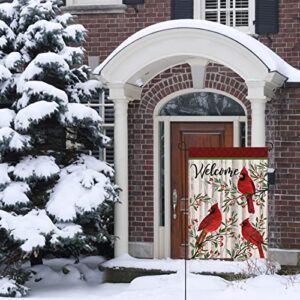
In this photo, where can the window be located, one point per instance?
(202, 104)
(235, 13)
(105, 109)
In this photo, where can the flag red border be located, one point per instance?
(228, 152)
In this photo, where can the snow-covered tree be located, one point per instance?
(53, 197)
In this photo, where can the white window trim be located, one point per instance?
(93, 2)
(162, 235)
(199, 14)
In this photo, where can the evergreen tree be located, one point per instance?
(53, 198)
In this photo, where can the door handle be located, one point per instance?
(174, 202)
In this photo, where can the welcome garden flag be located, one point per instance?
(228, 203)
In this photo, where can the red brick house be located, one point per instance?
(255, 97)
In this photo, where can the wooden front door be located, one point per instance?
(193, 135)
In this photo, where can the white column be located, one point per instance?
(258, 128)
(258, 94)
(121, 169)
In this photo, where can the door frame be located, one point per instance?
(162, 234)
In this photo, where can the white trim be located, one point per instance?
(166, 231)
(167, 234)
(93, 2)
(156, 181)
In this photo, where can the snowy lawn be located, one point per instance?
(62, 279)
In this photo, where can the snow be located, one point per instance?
(63, 279)
(37, 32)
(88, 190)
(8, 9)
(4, 73)
(4, 178)
(78, 111)
(265, 54)
(15, 140)
(6, 117)
(34, 69)
(42, 167)
(64, 18)
(46, 26)
(72, 31)
(68, 53)
(12, 59)
(8, 33)
(88, 86)
(34, 113)
(32, 229)
(15, 193)
(8, 287)
(85, 162)
(34, 88)
(194, 266)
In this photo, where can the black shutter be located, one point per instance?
(133, 2)
(182, 9)
(266, 16)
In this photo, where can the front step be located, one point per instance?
(126, 275)
(125, 268)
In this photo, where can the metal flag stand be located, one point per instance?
(183, 148)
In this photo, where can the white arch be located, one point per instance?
(161, 46)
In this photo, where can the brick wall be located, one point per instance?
(283, 130)
(287, 42)
(107, 31)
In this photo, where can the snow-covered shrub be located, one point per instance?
(53, 197)
(10, 288)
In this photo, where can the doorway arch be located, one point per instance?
(162, 146)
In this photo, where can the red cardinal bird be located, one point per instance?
(246, 186)
(253, 236)
(210, 223)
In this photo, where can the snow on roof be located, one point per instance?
(269, 58)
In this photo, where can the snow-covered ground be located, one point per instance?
(62, 279)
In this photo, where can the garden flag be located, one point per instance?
(228, 203)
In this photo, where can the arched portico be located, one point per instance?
(161, 46)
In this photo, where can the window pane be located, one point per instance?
(223, 17)
(241, 4)
(231, 22)
(242, 18)
(242, 134)
(109, 151)
(211, 4)
(223, 3)
(202, 104)
(211, 16)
